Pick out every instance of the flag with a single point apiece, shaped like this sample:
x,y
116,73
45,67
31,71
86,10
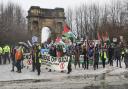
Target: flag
x,y
106,36
108,39
103,39
68,34
98,36
103,36
59,41
66,29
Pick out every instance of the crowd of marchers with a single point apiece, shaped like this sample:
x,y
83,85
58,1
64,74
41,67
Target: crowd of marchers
x,y
93,55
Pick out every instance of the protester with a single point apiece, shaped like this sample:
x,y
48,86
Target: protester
x,y
13,52
77,56
126,57
1,51
33,58
103,56
96,57
38,58
69,66
18,57
90,54
52,53
86,61
110,55
122,53
117,53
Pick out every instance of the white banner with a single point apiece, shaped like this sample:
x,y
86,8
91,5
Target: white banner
x,y
55,63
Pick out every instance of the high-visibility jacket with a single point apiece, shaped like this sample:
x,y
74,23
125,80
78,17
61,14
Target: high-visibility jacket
x,y
18,55
38,56
104,55
1,50
6,49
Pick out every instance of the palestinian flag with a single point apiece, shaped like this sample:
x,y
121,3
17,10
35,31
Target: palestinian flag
x,y
59,41
68,34
98,36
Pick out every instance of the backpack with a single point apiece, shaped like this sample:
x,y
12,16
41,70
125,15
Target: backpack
x,y
90,52
18,55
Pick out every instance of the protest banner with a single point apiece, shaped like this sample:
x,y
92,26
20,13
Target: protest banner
x,y
53,63
27,59
56,63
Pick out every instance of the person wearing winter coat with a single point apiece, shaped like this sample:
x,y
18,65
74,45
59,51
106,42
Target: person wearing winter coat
x,y
126,57
96,57
103,57
117,54
77,56
110,55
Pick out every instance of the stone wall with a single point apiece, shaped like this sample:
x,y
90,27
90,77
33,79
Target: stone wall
x,y
42,17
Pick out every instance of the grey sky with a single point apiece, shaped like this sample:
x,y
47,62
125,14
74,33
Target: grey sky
x,y
26,4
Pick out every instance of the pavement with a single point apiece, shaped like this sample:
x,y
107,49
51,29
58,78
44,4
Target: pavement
x,y
7,75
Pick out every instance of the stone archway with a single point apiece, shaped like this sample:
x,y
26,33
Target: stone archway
x,y
41,17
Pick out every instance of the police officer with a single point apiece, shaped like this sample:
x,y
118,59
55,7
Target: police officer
x,y
1,51
6,51
96,57
38,59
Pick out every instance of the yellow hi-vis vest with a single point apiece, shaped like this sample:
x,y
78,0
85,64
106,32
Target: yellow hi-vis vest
x,y
40,60
1,50
6,49
105,55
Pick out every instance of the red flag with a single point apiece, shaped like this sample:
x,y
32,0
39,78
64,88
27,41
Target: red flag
x,y
66,29
98,36
106,36
103,36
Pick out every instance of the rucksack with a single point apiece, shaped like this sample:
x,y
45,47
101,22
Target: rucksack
x,y
18,55
90,52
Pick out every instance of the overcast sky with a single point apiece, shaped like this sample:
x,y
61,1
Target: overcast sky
x,y
26,4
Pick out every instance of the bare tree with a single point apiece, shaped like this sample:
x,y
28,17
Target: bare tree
x,y
69,19
13,25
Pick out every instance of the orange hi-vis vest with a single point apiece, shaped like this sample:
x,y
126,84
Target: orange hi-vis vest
x,y
18,55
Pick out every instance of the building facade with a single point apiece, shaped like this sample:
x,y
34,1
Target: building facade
x,y
42,17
